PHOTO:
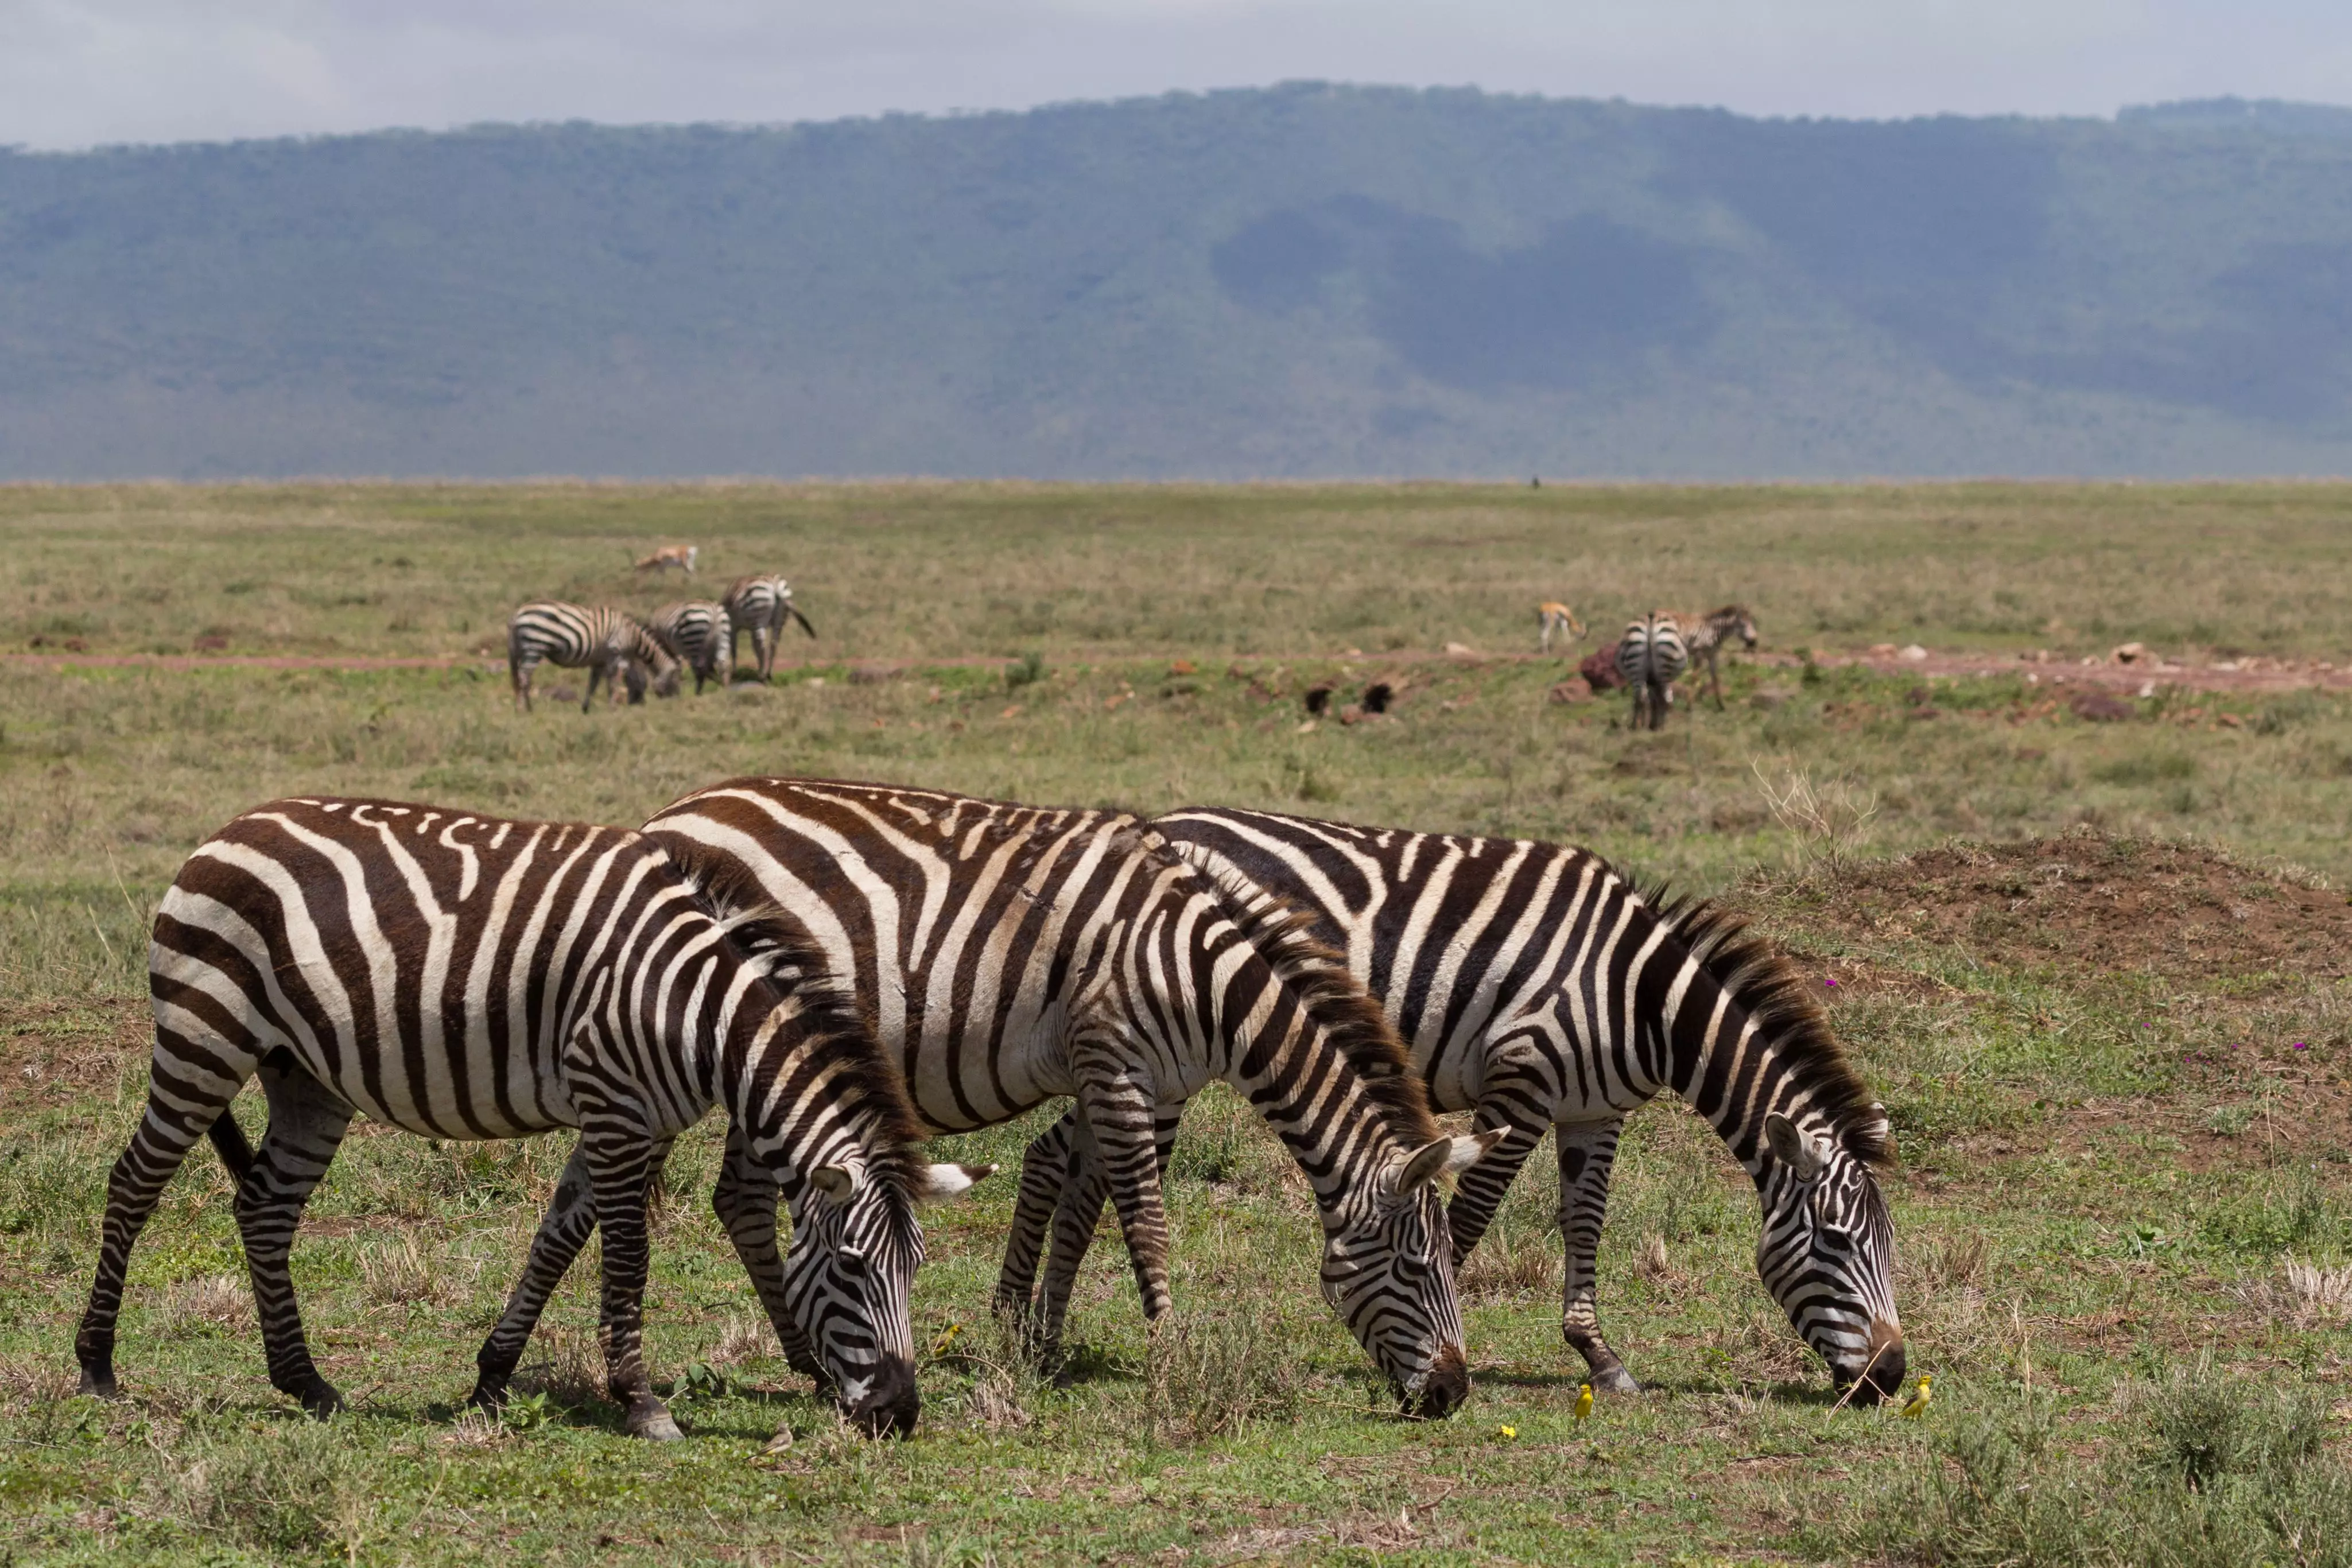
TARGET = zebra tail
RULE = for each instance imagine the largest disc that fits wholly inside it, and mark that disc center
(229, 1139)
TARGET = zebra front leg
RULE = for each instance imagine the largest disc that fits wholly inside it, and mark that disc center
(620, 1159)
(1479, 1193)
(1587, 1152)
(179, 1110)
(1078, 1215)
(1047, 1167)
(1119, 1116)
(745, 1201)
(306, 1122)
(564, 1230)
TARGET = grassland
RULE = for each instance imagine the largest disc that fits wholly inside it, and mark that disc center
(2112, 1147)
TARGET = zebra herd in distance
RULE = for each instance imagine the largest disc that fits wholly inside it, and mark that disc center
(621, 651)
(1655, 651)
(848, 969)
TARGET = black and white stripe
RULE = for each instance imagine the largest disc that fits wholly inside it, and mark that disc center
(1707, 635)
(604, 641)
(1012, 955)
(1536, 987)
(464, 977)
(1651, 657)
(700, 636)
(759, 605)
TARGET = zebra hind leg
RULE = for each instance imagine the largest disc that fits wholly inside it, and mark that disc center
(1587, 1152)
(180, 1108)
(1047, 1167)
(306, 1127)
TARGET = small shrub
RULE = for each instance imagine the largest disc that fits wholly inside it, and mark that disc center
(1026, 670)
(1212, 1375)
(2230, 1120)
(2149, 768)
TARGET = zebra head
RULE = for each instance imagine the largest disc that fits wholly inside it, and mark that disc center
(855, 1246)
(1827, 1254)
(1388, 1271)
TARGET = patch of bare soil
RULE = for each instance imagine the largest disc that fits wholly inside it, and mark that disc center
(2092, 901)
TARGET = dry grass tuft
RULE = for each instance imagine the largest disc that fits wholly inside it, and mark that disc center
(570, 1369)
(1650, 1262)
(397, 1272)
(2304, 1294)
(1504, 1268)
(216, 1301)
(742, 1339)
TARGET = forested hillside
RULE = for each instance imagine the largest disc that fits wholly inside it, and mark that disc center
(1301, 281)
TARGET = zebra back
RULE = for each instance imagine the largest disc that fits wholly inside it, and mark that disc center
(1539, 973)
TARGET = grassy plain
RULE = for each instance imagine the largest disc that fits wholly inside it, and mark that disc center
(2112, 1148)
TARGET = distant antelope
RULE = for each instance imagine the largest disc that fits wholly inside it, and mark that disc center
(678, 555)
(605, 642)
(759, 605)
(1652, 657)
(1705, 635)
(1552, 616)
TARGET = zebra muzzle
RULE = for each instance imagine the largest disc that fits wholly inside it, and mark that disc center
(891, 1404)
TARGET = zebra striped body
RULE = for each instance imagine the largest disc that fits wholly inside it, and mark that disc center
(1706, 635)
(700, 636)
(602, 641)
(759, 605)
(464, 977)
(1011, 955)
(1537, 988)
(1651, 657)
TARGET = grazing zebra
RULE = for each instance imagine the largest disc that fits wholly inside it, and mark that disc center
(699, 637)
(1651, 657)
(1539, 989)
(464, 977)
(603, 640)
(1708, 635)
(759, 605)
(1012, 955)
(681, 556)
(1553, 617)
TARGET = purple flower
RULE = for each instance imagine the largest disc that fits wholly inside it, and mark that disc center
(2303, 1045)
(1831, 984)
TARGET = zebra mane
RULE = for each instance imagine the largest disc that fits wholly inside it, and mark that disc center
(1318, 977)
(773, 940)
(1776, 998)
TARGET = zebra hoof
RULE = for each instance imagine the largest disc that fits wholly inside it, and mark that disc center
(489, 1396)
(321, 1399)
(649, 1419)
(1616, 1380)
(98, 1384)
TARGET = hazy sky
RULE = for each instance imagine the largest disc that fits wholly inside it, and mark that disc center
(75, 72)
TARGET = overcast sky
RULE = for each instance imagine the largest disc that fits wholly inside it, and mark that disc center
(78, 72)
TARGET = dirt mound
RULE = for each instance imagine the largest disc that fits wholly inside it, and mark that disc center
(2120, 905)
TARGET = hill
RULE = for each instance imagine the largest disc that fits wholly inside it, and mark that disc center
(1306, 279)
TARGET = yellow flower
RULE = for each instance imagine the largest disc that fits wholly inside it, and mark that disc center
(1508, 1433)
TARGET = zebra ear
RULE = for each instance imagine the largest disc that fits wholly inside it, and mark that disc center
(1790, 1146)
(1445, 1157)
(835, 1182)
(943, 1181)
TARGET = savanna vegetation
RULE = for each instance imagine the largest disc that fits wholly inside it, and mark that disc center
(2104, 997)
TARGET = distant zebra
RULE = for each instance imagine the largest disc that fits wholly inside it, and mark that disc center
(1708, 633)
(1651, 657)
(602, 640)
(1010, 954)
(464, 977)
(1552, 617)
(699, 637)
(759, 605)
(1538, 988)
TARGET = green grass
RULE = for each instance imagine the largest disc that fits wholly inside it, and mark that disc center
(2097, 1189)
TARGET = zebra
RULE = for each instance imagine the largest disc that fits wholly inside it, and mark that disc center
(466, 977)
(1651, 657)
(1708, 635)
(1552, 618)
(604, 640)
(700, 636)
(1540, 989)
(1010, 954)
(759, 605)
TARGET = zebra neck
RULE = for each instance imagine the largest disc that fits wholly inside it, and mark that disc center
(1317, 1104)
(1728, 1070)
